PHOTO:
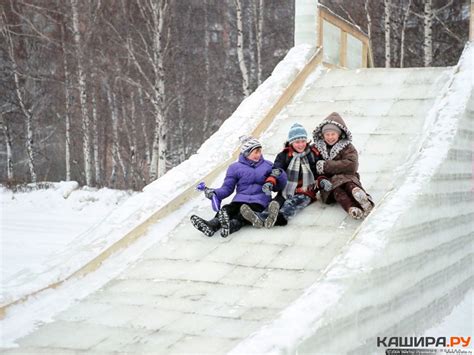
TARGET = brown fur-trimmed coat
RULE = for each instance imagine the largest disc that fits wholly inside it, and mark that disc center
(341, 161)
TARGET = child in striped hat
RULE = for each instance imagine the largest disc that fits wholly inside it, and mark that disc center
(247, 177)
(298, 160)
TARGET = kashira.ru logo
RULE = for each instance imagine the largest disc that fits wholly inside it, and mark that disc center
(425, 345)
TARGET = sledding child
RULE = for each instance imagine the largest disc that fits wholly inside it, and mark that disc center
(247, 176)
(298, 159)
(334, 140)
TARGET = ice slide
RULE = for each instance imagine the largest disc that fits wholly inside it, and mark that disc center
(325, 283)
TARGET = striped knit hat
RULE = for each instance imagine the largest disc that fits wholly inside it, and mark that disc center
(296, 132)
(248, 144)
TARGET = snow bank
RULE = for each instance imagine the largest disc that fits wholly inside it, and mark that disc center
(43, 221)
(137, 209)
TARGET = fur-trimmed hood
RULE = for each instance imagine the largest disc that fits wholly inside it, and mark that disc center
(344, 140)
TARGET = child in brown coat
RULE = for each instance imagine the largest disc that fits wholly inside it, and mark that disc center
(334, 141)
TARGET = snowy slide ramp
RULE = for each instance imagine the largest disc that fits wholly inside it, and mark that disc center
(324, 274)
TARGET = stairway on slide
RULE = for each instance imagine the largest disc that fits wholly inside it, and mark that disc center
(191, 293)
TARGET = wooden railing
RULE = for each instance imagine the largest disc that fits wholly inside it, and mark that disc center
(344, 44)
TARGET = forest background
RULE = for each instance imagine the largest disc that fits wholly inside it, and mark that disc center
(116, 92)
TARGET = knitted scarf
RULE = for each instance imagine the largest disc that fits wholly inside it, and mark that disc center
(298, 162)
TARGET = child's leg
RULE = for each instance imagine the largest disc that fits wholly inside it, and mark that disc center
(347, 202)
(251, 214)
(294, 204)
(231, 219)
(360, 197)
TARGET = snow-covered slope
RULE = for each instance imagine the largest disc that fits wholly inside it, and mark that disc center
(324, 277)
(141, 208)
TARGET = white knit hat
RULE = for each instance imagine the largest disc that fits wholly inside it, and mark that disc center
(248, 144)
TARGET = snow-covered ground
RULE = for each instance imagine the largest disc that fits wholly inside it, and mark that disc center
(41, 223)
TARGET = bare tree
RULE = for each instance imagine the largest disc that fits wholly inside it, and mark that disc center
(403, 33)
(240, 50)
(26, 111)
(8, 145)
(428, 41)
(67, 118)
(387, 28)
(81, 76)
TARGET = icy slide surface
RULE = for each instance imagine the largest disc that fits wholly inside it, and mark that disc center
(324, 274)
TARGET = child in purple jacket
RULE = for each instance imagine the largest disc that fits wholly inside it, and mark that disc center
(246, 176)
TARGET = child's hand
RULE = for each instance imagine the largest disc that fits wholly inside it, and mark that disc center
(325, 185)
(208, 192)
(267, 188)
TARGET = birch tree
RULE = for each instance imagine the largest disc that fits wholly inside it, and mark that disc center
(259, 15)
(146, 55)
(240, 50)
(81, 76)
(8, 145)
(387, 29)
(67, 118)
(428, 33)
(20, 97)
(403, 33)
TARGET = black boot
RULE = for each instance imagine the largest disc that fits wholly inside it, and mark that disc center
(224, 220)
(251, 216)
(206, 227)
(234, 226)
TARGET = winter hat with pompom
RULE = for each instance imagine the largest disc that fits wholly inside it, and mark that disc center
(248, 144)
(296, 132)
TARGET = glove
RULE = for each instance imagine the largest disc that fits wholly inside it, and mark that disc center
(267, 188)
(275, 172)
(208, 192)
(325, 185)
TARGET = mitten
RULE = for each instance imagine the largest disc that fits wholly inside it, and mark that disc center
(267, 188)
(275, 172)
(208, 192)
(325, 185)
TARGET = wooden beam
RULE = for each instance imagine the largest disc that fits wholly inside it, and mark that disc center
(364, 55)
(344, 25)
(343, 50)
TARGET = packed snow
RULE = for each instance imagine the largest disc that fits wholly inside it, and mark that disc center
(39, 224)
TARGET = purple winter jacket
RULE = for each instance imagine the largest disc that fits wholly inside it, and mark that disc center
(249, 177)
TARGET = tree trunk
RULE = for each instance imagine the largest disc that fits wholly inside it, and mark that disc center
(207, 68)
(158, 159)
(427, 42)
(95, 142)
(144, 130)
(387, 32)
(116, 157)
(240, 50)
(25, 111)
(402, 39)
(260, 19)
(8, 145)
(86, 146)
(67, 118)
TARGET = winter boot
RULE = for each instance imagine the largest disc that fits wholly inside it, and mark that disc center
(361, 197)
(224, 220)
(234, 226)
(273, 209)
(356, 212)
(251, 216)
(206, 227)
